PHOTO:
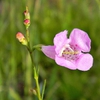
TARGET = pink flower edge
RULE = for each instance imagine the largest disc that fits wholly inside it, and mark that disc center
(49, 51)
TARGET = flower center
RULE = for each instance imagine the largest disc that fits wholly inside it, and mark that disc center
(70, 52)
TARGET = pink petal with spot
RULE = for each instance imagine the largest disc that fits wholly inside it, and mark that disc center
(81, 38)
(65, 63)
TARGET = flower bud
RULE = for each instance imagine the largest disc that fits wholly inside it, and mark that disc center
(27, 14)
(33, 91)
(27, 22)
(21, 38)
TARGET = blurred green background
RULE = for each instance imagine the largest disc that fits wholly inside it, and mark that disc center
(48, 17)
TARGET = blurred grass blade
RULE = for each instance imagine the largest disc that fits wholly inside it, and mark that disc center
(14, 94)
(43, 90)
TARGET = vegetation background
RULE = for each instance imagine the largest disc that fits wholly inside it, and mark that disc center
(48, 17)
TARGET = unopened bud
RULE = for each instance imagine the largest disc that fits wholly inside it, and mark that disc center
(33, 91)
(21, 38)
(26, 13)
(27, 22)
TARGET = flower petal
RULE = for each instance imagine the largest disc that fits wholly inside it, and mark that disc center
(81, 39)
(49, 51)
(85, 62)
(59, 40)
(65, 63)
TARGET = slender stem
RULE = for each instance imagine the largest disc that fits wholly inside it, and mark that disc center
(35, 72)
(35, 77)
(38, 88)
(27, 34)
(30, 52)
(29, 47)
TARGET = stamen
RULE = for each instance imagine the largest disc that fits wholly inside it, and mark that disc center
(70, 52)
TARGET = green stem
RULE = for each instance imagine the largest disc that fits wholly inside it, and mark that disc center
(27, 34)
(38, 89)
(35, 72)
(30, 52)
(35, 75)
(37, 84)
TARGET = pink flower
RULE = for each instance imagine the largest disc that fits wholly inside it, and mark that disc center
(71, 52)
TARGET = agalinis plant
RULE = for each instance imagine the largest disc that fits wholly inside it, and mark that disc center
(69, 52)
